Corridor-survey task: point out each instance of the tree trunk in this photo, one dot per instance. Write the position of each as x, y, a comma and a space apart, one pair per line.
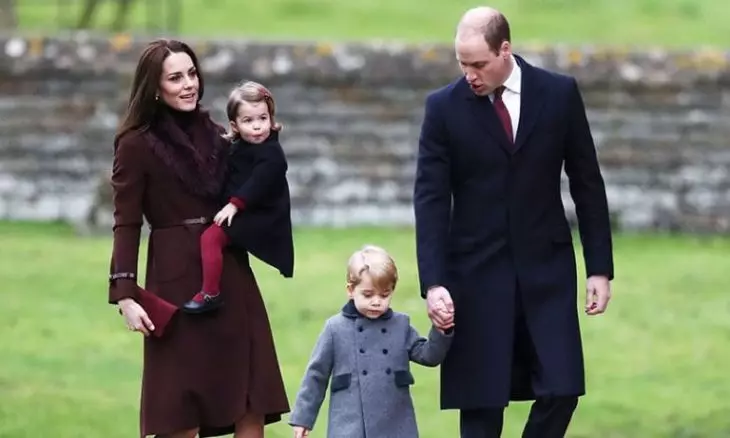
8, 15
120, 21
88, 14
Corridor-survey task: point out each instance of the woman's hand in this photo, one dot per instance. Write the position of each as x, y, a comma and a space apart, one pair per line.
135, 316
226, 214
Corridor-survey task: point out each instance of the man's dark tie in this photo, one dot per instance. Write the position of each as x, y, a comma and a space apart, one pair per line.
503, 113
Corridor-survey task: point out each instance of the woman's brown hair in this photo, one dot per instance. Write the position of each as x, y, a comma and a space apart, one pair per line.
142, 107
252, 92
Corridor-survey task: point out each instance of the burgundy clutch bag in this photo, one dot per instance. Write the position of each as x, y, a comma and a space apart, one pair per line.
160, 311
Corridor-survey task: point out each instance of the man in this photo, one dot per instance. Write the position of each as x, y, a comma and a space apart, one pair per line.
493, 237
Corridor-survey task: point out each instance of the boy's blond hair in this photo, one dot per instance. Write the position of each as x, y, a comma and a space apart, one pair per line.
375, 261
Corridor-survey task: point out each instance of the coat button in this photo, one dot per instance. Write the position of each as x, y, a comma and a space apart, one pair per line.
385, 351
364, 372
387, 371
362, 350
359, 329
383, 329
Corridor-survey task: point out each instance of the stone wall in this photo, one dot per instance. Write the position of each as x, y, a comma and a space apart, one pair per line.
352, 114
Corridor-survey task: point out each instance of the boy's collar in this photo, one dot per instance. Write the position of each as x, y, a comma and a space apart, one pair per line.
349, 310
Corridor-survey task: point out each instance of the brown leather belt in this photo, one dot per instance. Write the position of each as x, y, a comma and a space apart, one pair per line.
202, 220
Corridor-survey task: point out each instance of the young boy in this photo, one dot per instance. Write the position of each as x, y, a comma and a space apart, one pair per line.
367, 349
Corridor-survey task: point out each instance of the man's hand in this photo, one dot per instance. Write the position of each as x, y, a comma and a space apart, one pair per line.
598, 294
226, 214
440, 307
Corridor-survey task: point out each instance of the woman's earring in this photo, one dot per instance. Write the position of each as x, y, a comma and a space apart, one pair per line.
157, 97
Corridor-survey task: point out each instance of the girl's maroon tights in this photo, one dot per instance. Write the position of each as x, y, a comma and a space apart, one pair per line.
212, 242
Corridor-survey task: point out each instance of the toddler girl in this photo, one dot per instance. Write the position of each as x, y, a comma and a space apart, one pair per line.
256, 216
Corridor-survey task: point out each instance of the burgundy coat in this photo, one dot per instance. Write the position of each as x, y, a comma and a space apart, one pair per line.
207, 370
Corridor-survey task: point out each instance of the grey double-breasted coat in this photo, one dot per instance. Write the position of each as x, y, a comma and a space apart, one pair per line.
368, 361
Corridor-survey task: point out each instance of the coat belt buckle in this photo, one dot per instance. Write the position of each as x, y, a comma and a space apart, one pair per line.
196, 221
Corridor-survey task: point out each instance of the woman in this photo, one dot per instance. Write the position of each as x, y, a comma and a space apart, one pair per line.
202, 375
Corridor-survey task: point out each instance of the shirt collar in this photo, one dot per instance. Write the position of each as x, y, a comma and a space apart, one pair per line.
514, 80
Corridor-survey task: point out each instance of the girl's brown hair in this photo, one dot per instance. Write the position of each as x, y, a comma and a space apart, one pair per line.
251, 92
142, 107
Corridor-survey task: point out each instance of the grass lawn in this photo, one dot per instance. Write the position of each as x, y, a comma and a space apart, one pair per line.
624, 22
657, 361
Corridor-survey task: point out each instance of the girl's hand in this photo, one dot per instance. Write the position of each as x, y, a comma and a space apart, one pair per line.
226, 214
135, 317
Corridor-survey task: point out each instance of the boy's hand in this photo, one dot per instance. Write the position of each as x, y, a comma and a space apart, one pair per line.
226, 214
301, 432
446, 332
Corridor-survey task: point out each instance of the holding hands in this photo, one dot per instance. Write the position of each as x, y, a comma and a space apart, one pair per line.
440, 307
